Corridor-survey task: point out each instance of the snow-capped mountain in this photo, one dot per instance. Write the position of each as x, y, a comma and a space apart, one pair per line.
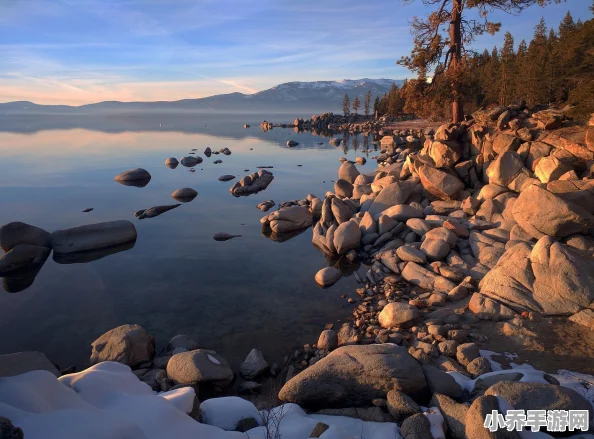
310, 97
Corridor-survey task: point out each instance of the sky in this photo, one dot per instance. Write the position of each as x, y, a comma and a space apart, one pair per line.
81, 51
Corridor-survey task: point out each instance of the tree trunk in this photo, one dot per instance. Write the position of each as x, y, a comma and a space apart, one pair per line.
456, 58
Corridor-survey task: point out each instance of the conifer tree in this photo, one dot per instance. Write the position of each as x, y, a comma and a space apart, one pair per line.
356, 104
441, 38
346, 103
367, 102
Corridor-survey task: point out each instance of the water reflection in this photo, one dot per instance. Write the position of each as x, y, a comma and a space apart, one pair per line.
48, 177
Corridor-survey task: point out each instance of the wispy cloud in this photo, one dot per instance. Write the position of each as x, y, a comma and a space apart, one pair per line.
76, 51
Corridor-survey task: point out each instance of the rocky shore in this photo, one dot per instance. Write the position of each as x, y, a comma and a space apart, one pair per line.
464, 230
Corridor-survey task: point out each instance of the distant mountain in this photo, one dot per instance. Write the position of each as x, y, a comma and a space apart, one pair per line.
290, 97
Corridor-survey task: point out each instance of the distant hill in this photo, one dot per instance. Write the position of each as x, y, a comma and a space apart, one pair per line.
290, 97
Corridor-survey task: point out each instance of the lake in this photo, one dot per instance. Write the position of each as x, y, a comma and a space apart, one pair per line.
230, 296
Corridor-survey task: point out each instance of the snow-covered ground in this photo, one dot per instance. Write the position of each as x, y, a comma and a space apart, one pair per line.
108, 401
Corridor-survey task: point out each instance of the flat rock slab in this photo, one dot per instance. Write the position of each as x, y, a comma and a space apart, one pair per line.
93, 236
23, 362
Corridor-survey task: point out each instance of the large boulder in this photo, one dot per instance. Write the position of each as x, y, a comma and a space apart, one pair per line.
580, 192
15, 233
93, 236
391, 195
489, 309
539, 396
505, 168
551, 278
445, 153
439, 183
475, 420
343, 188
199, 366
127, 344
355, 375
540, 212
348, 172
397, 314
347, 237
290, 218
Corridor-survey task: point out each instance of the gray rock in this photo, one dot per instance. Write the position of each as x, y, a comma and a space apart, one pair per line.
416, 427
347, 237
440, 382
190, 161
93, 236
23, 362
15, 233
397, 314
348, 172
171, 162
411, 254
254, 365
328, 340
478, 366
226, 177
453, 413
224, 236
328, 276
343, 188
199, 366
539, 396
355, 375
23, 258
401, 406
291, 218
182, 341
137, 174
467, 352
249, 387
435, 249
127, 344
475, 420
154, 211
184, 195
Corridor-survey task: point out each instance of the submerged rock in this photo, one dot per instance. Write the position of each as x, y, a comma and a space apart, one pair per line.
190, 161
133, 175
154, 211
171, 162
226, 177
224, 236
22, 258
184, 195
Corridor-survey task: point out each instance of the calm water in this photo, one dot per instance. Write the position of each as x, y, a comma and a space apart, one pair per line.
231, 296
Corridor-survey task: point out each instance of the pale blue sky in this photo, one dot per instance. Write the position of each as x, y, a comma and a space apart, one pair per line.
80, 51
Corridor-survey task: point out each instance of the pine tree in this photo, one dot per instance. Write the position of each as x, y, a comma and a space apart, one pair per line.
444, 54
395, 104
346, 103
356, 104
376, 105
507, 73
367, 102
